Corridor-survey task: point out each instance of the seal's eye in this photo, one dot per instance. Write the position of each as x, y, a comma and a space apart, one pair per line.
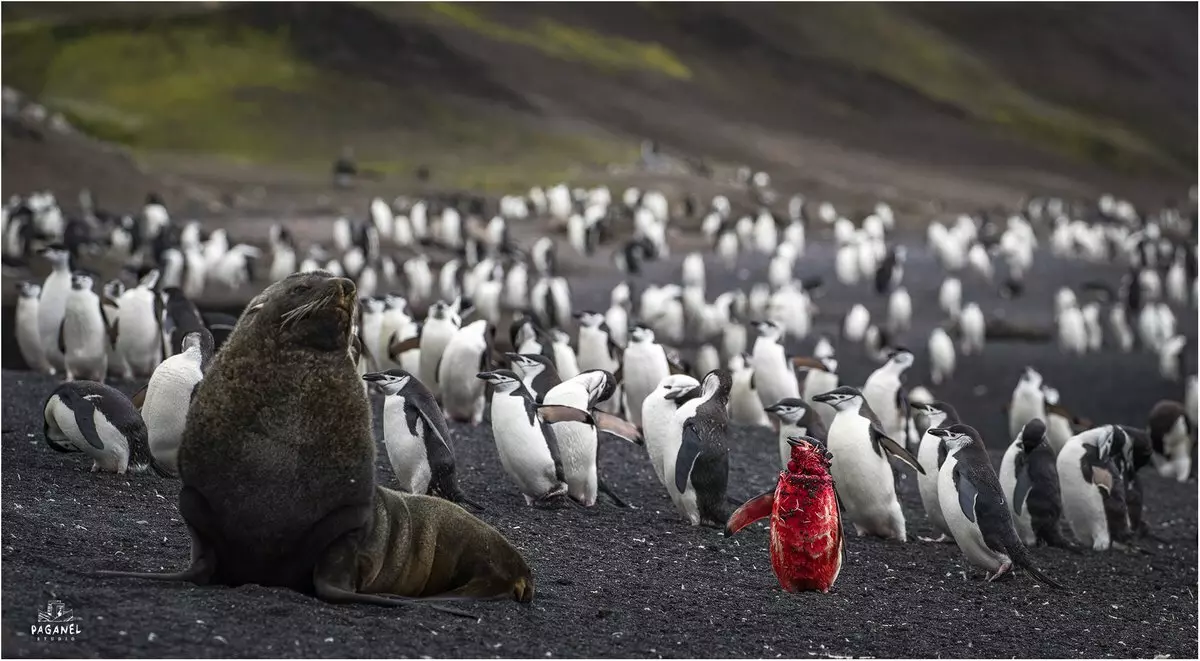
302, 289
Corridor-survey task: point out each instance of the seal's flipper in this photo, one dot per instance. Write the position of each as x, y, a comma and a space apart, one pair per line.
326, 591
204, 565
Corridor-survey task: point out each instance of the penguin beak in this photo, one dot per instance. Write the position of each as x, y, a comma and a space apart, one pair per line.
490, 377
824, 397
940, 432
798, 441
774, 408
374, 376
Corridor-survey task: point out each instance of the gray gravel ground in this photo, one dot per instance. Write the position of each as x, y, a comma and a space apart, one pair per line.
639, 582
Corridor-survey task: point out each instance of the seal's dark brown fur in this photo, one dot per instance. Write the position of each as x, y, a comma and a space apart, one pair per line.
278, 461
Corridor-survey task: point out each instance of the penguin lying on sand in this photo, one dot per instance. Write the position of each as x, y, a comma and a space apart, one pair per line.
98, 420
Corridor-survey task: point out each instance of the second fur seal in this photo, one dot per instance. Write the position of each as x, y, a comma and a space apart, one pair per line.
278, 470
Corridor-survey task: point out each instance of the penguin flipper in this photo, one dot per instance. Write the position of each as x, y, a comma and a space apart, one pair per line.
85, 418
967, 493
1024, 483
619, 427
689, 450
396, 348
555, 413
884, 443
758, 507
62, 336
139, 397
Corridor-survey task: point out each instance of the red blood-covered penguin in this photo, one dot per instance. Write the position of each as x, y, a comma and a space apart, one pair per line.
806, 527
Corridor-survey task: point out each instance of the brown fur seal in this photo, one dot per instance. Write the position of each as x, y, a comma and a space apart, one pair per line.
416, 547
277, 461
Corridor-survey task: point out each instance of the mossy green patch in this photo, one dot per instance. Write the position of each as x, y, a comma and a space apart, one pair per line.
206, 86
566, 42
879, 39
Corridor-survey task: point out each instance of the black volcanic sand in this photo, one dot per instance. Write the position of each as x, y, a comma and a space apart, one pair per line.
639, 582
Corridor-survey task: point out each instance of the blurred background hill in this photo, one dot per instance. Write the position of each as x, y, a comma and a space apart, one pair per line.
241, 104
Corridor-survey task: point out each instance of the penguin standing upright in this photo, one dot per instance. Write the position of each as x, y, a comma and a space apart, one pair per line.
599, 351
884, 393
795, 419
861, 472
931, 455
820, 379
29, 338
1093, 490
113, 289
140, 340
84, 332
101, 422
462, 396
527, 447
975, 510
1029, 482
698, 474
645, 366
441, 323
658, 412
1028, 401
416, 437
773, 374
745, 404
537, 373
52, 305
577, 440
169, 394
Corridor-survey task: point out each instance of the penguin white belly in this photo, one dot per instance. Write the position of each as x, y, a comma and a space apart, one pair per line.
645, 367
524, 456
966, 532
406, 452
165, 409
1058, 431
576, 444
1008, 487
138, 340
818, 383
881, 397
1083, 506
113, 458
773, 377
52, 306
927, 484
657, 414
745, 405
462, 393
685, 501
564, 362
733, 340
618, 321
593, 351
1027, 404
84, 337
434, 337
864, 479
29, 339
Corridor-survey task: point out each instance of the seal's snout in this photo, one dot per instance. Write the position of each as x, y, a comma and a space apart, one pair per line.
345, 289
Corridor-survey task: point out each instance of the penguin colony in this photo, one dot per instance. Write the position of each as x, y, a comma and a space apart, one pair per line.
665, 366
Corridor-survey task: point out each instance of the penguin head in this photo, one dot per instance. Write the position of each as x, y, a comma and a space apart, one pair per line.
371, 305
56, 254
717, 384
843, 398
390, 382
809, 456
395, 302
956, 437
589, 319
504, 381
1031, 377
789, 410
1050, 394
81, 281
527, 364
202, 341
768, 329
901, 357
1032, 434
29, 289
601, 384
937, 413
678, 388
113, 289
641, 333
